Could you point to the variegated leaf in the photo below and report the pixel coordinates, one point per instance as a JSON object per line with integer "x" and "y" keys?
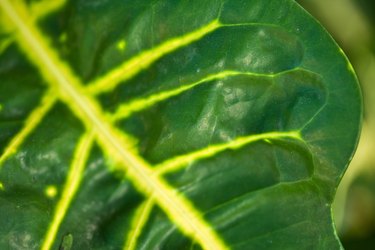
{"x": 165, "y": 124}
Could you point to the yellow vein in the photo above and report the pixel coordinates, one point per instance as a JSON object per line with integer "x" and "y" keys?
{"x": 181, "y": 161}
{"x": 59, "y": 75}
{"x": 139, "y": 221}
{"x": 133, "y": 66}
{"x": 39, "y": 10}
{"x": 43, "y": 8}
{"x": 4, "y": 44}
{"x": 71, "y": 186}
{"x": 30, "y": 124}
{"x": 127, "y": 109}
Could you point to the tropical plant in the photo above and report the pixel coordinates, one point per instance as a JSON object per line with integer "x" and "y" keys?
{"x": 171, "y": 125}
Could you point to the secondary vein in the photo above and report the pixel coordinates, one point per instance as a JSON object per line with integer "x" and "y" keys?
{"x": 179, "y": 162}
{"x": 139, "y": 222}
{"x": 70, "y": 188}
{"x": 131, "y": 67}
{"x": 127, "y": 109}
{"x": 30, "y": 124}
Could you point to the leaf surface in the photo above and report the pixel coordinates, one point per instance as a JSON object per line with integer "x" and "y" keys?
{"x": 171, "y": 125}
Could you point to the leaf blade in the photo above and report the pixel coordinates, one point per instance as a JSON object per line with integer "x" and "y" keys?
{"x": 168, "y": 110}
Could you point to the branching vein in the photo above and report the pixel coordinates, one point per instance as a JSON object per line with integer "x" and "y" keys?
{"x": 72, "y": 92}
{"x": 179, "y": 162}
{"x": 127, "y": 109}
{"x": 130, "y": 68}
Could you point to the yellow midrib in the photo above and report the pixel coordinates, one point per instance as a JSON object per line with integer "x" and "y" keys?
{"x": 85, "y": 107}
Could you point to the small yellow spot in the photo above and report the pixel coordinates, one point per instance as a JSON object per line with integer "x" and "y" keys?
{"x": 268, "y": 141}
{"x": 51, "y": 191}
{"x": 1, "y": 107}
{"x": 1, "y": 186}
{"x": 121, "y": 45}
{"x": 63, "y": 37}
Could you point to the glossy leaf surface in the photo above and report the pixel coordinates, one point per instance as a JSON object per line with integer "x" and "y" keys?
{"x": 171, "y": 125}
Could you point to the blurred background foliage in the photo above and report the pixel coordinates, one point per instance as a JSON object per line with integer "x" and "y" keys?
{"x": 352, "y": 24}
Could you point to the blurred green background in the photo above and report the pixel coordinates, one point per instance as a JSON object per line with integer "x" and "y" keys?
{"x": 352, "y": 24}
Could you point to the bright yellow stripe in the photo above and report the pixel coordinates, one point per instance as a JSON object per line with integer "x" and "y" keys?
{"x": 30, "y": 124}
{"x": 39, "y": 10}
{"x": 5, "y": 42}
{"x": 43, "y": 8}
{"x": 70, "y": 188}
{"x": 127, "y": 109}
{"x": 177, "y": 207}
{"x": 110, "y": 139}
{"x": 140, "y": 220}
{"x": 179, "y": 162}
{"x": 130, "y": 68}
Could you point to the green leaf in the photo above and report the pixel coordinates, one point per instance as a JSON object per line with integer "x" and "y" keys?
{"x": 171, "y": 125}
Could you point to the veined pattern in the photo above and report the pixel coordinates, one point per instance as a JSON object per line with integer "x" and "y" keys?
{"x": 151, "y": 180}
